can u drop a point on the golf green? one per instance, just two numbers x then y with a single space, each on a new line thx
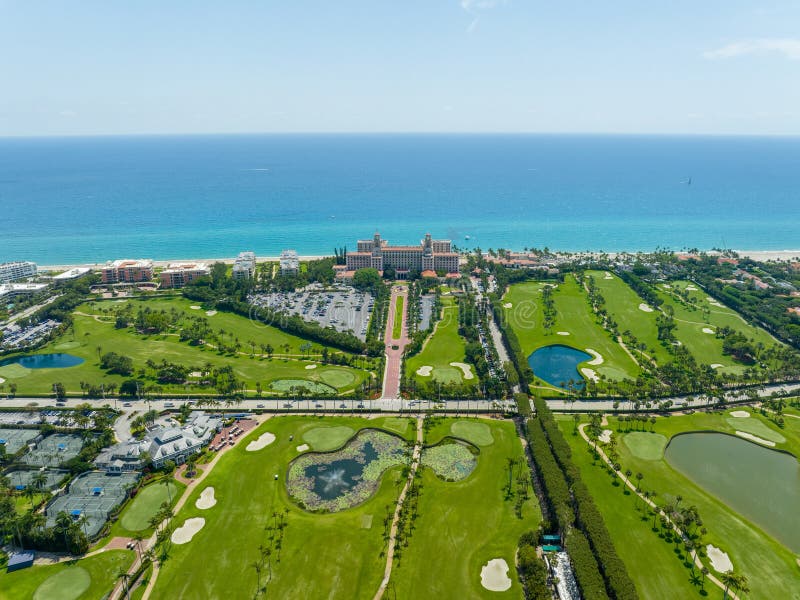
327 438
146 503
756 427
337 378
479 433
66 585
647 446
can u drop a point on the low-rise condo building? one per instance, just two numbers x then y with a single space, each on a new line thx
244 267
290 263
11 271
429 255
180 274
127 271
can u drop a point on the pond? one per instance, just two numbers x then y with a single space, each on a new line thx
44 361
557 364
761 484
334 481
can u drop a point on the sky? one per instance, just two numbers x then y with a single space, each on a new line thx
98 67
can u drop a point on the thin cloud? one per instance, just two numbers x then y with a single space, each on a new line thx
788 47
474 9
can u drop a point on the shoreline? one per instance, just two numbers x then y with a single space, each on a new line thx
759 255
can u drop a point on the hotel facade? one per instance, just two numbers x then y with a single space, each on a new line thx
180 274
429 255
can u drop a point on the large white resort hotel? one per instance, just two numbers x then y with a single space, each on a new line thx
430 257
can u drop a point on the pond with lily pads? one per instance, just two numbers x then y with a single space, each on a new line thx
335 481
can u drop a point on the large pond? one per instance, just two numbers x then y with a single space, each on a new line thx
558 364
761 484
44 361
333 481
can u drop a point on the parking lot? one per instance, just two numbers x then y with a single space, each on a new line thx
15 336
341 307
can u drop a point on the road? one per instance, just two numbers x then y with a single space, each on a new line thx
29 311
395 347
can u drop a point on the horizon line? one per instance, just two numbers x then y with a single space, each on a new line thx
399 133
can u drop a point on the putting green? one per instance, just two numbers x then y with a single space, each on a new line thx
286 385
68 345
66 585
447 374
337 378
146 503
396 424
479 433
647 446
14 371
327 438
756 427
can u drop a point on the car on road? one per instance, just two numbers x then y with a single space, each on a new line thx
169 404
318 405
287 405
259 406
360 405
126 404
343 405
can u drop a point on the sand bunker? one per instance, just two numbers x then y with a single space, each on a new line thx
507 305
717 365
645 307
302 447
708 330
494 575
598 358
755 438
195 307
720 560
739 414
309 367
605 436
210 313
2 380
185 533
206 499
590 374
264 440
465 368
196 374
608 276
666 286
425 371
691 288
562 332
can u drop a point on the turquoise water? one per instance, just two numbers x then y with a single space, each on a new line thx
44 361
761 484
66 200
557 364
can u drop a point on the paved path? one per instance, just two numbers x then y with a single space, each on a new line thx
387 573
394 357
698 563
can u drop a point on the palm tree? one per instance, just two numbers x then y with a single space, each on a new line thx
735 581
703 572
63 522
123 574
165 482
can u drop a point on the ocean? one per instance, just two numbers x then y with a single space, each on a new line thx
77 200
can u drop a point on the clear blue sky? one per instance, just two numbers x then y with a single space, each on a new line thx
77 67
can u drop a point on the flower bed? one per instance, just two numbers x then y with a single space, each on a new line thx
451 460
334 481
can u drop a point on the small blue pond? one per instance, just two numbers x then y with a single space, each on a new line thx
44 361
558 364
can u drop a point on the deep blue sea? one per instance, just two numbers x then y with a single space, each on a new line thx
74 200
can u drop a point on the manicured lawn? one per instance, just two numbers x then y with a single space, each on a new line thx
97 330
622 304
136 517
476 432
574 317
322 555
770 567
444 346
397 326
691 320
325 438
462 525
90 577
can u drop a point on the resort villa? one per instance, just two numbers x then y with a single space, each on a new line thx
127 271
179 274
430 255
